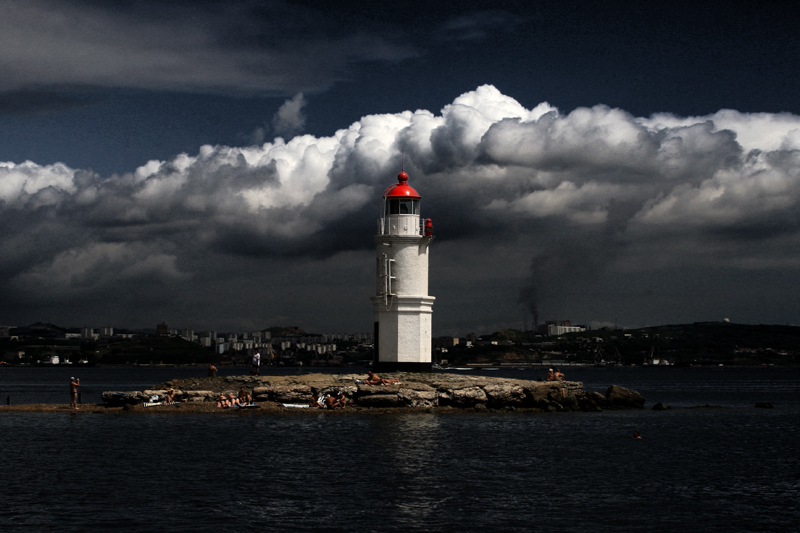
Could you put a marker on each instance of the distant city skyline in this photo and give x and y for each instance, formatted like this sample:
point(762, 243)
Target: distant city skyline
point(221, 164)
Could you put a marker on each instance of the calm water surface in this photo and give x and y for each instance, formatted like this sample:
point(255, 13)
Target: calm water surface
point(732, 468)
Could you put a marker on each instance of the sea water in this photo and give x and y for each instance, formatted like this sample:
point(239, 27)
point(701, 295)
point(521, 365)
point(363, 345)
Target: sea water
point(728, 468)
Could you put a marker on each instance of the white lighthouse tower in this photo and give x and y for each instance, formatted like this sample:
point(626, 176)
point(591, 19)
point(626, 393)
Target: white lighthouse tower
point(401, 306)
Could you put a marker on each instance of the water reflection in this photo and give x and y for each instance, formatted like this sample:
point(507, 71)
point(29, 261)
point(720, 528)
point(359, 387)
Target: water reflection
point(412, 486)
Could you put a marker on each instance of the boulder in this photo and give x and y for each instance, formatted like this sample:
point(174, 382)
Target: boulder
point(592, 401)
point(466, 397)
point(570, 403)
point(504, 394)
point(764, 405)
point(364, 390)
point(417, 397)
point(537, 393)
point(120, 398)
point(625, 398)
point(291, 393)
point(199, 396)
point(379, 400)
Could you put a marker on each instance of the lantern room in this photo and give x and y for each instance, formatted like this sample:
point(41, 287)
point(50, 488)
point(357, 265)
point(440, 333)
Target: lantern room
point(400, 209)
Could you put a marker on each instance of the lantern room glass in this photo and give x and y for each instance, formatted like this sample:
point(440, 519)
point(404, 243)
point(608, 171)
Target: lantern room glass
point(402, 206)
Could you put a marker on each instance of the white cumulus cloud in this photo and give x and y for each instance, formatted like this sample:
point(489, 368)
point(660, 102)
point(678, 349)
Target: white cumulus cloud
point(596, 199)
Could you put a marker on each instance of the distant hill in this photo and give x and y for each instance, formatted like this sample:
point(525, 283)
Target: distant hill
point(286, 331)
point(697, 343)
point(154, 350)
point(43, 330)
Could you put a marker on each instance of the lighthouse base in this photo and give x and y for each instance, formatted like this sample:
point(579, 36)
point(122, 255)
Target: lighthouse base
point(402, 334)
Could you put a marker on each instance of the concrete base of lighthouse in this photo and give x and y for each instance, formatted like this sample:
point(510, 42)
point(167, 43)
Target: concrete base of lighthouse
point(402, 333)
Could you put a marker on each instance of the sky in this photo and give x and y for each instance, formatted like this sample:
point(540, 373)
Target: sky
point(220, 164)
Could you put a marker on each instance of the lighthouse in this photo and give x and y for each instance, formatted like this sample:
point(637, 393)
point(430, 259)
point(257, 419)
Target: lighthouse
point(401, 306)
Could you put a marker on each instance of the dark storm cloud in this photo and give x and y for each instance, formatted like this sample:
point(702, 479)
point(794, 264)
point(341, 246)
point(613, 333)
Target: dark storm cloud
point(478, 25)
point(566, 214)
point(211, 47)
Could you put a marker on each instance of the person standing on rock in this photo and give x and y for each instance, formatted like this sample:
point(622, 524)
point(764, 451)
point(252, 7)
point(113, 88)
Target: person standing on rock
point(73, 393)
point(255, 364)
point(212, 370)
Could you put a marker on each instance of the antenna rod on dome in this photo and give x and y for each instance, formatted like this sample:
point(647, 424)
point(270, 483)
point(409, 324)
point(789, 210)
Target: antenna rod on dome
point(403, 162)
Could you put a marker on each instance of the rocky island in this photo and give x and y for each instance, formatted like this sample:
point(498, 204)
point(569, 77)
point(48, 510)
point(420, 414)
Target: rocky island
point(415, 392)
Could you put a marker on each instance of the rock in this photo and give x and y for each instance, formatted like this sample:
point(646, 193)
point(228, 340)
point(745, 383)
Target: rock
point(622, 397)
point(418, 397)
point(764, 405)
point(120, 398)
point(570, 403)
point(418, 391)
point(379, 400)
point(293, 393)
point(502, 394)
point(467, 397)
point(592, 401)
point(660, 407)
point(199, 396)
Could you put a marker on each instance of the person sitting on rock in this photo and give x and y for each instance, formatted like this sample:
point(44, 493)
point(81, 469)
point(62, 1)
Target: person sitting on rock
point(559, 375)
point(550, 376)
point(341, 401)
point(169, 397)
point(317, 402)
point(337, 402)
point(244, 397)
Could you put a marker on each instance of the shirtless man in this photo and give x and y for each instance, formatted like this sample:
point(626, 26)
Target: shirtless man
point(375, 379)
point(337, 402)
point(73, 392)
point(212, 370)
point(550, 376)
point(341, 401)
point(559, 375)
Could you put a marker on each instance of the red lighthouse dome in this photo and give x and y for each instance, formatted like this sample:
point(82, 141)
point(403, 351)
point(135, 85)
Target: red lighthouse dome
point(401, 189)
